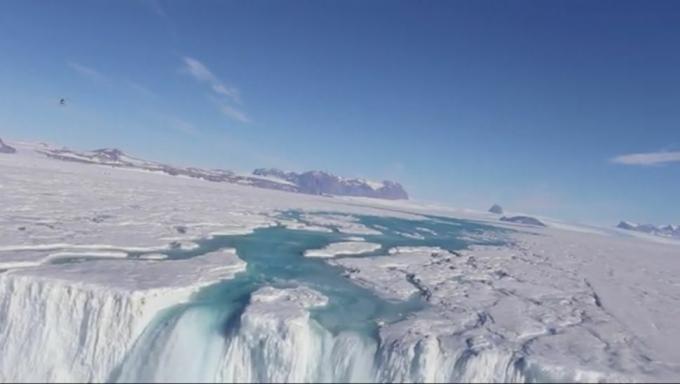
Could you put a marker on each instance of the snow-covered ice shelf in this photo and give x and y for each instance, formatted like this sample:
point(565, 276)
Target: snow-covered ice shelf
point(112, 274)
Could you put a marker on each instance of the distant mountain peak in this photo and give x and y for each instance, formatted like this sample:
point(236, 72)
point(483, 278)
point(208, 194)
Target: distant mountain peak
point(113, 154)
point(669, 230)
point(626, 225)
point(114, 151)
point(497, 209)
point(317, 182)
point(311, 182)
point(110, 151)
point(4, 148)
point(527, 220)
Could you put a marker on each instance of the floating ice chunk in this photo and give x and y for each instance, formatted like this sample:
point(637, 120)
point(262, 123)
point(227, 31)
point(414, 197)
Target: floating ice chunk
point(416, 236)
point(183, 245)
point(355, 238)
point(358, 229)
point(342, 223)
point(426, 230)
point(343, 248)
point(297, 225)
point(153, 256)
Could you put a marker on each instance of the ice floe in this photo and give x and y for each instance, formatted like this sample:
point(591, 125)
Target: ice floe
point(343, 248)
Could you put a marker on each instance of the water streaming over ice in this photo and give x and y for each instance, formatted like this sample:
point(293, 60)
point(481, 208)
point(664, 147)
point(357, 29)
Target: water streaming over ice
point(286, 318)
point(290, 318)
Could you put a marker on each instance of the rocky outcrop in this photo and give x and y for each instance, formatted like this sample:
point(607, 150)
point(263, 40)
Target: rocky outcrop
point(664, 231)
point(312, 182)
point(497, 209)
point(4, 148)
point(523, 220)
point(322, 183)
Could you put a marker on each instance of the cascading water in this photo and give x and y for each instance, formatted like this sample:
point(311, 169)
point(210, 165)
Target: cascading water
point(295, 319)
point(286, 318)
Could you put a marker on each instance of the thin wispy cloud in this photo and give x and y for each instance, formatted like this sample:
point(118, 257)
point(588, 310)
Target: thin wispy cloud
point(201, 73)
point(648, 159)
point(86, 71)
point(227, 98)
point(234, 113)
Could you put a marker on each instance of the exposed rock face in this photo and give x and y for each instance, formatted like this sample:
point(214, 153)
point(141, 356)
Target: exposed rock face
point(497, 209)
point(109, 154)
point(117, 158)
point(627, 225)
point(313, 182)
point(4, 148)
point(523, 220)
point(320, 183)
point(664, 231)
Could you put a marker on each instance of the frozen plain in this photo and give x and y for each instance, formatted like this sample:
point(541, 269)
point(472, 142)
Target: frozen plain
point(77, 299)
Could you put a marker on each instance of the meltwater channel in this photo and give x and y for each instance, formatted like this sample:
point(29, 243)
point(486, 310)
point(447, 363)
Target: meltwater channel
point(287, 317)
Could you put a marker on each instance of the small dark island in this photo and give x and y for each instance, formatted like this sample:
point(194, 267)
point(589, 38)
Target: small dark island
point(523, 220)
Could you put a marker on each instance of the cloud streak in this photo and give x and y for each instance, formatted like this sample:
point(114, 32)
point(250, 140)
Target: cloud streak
point(234, 113)
point(226, 96)
point(202, 74)
point(86, 71)
point(647, 159)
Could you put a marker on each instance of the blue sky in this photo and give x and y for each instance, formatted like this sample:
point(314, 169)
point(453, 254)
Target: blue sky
point(544, 107)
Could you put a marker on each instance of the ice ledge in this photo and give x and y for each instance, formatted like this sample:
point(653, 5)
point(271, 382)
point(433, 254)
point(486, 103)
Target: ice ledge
point(134, 275)
point(77, 322)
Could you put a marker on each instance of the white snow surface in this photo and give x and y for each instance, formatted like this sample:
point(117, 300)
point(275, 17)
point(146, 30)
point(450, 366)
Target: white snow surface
point(558, 303)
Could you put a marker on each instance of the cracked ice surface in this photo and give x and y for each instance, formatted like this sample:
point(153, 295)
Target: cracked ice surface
point(559, 306)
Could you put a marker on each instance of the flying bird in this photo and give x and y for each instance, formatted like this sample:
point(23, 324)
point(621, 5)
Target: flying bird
point(62, 101)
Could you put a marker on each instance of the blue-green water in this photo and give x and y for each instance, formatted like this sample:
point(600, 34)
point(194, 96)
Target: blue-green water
point(181, 342)
point(274, 257)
